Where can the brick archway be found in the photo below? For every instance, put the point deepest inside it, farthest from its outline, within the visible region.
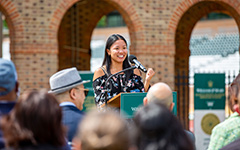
(183, 20)
(14, 24)
(91, 14)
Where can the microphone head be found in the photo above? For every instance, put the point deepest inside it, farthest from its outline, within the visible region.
(131, 57)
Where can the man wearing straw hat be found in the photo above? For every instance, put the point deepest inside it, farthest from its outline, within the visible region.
(67, 86)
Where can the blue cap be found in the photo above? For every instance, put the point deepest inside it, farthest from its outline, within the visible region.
(8, 76)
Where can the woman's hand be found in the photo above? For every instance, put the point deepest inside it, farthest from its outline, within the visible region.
(150, 73)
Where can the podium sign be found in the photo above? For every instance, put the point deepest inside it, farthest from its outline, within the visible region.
(130, 103)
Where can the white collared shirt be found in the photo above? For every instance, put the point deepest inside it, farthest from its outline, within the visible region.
(67, 104)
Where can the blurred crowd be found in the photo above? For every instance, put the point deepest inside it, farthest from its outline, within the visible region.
(54, 120)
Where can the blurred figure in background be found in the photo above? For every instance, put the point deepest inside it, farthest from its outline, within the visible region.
(228, 130)
(8, 90)
(159, 129)
(102, 131)
(34, 123)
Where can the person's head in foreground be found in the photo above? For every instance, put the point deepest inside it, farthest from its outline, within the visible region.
(162, 93)
(158, 129)
(102, 131)
(8, 81)
(233, 94)
(35, 120)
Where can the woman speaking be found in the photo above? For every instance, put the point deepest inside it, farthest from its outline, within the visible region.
(115, 60)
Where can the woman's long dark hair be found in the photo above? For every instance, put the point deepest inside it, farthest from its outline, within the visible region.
(107, 58)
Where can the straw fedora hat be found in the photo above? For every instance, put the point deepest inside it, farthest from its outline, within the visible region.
(65, 80)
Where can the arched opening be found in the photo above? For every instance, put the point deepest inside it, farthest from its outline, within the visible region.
(76, 28)
(4, 38)
(214, 49)
(8, 28)
(7, 33)
(182, 39)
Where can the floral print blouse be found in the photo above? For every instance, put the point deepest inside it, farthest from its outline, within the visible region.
(115, 85)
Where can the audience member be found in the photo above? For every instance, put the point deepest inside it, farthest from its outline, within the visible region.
(159, 129)
(233, 95)
(67, 86)
(228, 130)
(34, 123)
(8, 90)
(162, 93)
(102, 131)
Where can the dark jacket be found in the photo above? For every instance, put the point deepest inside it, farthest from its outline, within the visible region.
(37, 147)
(72, 116)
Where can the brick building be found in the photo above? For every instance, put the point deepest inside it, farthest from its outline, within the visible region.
(45, 34)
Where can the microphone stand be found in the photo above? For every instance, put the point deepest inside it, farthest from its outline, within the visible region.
(126, 69)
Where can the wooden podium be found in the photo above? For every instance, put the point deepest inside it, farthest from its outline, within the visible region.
(114, 102)
(129, 103)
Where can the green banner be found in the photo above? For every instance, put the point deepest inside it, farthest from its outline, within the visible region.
(175, 103)
(89, 100)
(209, 91)
(87, 75)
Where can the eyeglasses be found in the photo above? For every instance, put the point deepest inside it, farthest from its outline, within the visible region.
(84, 90)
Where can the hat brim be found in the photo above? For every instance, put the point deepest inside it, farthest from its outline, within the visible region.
(61, 90)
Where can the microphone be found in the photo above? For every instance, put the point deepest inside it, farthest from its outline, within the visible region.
(133, 60)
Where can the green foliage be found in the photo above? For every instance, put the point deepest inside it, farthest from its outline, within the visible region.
(5, 26)
(102, 22)
(113, 19)
(216, 16)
